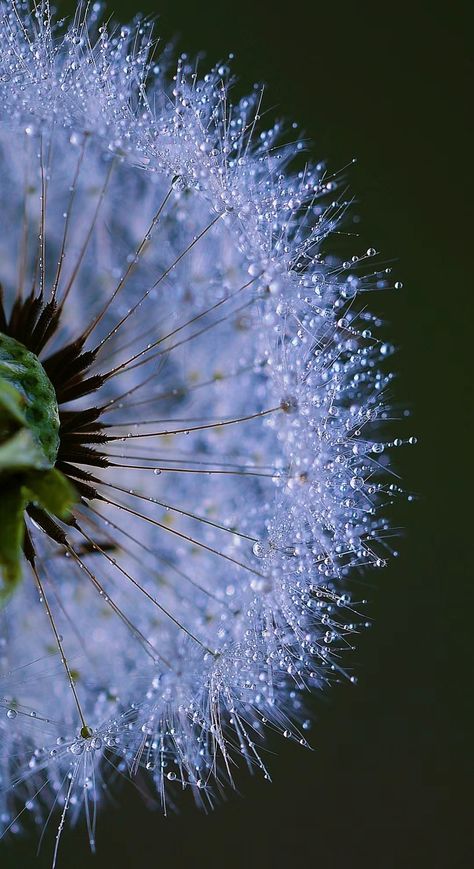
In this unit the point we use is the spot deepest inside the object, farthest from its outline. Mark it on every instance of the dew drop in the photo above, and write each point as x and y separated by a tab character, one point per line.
260	549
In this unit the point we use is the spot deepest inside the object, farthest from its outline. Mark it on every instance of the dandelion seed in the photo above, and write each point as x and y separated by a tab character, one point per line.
191	410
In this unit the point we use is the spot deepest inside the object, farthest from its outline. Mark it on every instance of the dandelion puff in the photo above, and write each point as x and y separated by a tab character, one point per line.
192	464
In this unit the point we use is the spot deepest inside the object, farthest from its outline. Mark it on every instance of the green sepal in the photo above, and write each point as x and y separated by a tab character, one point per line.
29	439
21	453
29	397
20	448
11	404
50	490
12	530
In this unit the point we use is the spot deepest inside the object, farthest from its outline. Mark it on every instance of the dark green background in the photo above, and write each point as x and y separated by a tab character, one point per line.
388	784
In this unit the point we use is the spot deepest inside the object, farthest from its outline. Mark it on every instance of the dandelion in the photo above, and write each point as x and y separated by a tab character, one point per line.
191	399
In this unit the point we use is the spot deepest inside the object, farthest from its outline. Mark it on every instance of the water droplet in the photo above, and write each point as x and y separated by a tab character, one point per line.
377	448
260	549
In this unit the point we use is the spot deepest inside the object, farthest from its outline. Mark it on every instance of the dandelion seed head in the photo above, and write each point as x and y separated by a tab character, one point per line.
222	401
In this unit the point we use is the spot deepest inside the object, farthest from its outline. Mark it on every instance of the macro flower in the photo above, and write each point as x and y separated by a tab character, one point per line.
192	405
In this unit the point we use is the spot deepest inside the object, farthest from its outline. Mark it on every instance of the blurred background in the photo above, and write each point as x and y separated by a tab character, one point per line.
388	782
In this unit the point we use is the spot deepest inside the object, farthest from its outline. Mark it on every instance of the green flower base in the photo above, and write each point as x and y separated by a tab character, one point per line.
29	443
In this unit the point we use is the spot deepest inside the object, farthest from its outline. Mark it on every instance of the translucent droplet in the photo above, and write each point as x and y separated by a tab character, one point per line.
260	549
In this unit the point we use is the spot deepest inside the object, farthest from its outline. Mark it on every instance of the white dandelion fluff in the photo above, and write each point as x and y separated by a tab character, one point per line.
191	398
